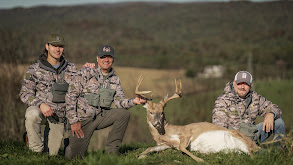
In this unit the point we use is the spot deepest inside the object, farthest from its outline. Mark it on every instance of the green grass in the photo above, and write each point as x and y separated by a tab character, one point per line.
17	153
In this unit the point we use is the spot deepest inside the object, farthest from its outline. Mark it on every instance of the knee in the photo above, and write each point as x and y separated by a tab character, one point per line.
279	123
126	113
32	113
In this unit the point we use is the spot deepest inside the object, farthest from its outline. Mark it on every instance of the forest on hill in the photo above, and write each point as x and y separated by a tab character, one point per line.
160	35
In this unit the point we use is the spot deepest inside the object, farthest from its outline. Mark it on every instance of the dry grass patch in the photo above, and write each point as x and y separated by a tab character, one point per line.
160	81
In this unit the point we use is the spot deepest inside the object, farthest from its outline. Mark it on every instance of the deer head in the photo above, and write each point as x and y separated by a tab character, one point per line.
155	111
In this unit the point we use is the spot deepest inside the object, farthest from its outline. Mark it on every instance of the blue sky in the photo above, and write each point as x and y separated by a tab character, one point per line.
6	4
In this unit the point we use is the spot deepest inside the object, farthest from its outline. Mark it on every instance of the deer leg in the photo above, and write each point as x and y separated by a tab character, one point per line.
184	142
153	149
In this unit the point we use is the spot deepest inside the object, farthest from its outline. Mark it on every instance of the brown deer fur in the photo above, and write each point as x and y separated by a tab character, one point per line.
180	137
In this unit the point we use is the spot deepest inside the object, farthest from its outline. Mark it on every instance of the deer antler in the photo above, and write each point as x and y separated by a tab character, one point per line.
140	93
177	94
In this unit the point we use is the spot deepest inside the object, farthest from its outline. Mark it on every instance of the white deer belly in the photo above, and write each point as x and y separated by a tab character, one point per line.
215	141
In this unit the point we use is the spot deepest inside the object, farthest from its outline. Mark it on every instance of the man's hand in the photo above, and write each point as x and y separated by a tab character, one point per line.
46	110
76	129
90	65
139	100
268	123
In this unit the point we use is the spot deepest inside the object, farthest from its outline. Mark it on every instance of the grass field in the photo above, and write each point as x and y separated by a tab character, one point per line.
16	153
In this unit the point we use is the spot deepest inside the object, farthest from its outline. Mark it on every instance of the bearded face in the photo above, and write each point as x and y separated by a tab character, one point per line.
241	88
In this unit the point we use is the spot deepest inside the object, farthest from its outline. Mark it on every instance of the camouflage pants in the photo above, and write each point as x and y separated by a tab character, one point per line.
119	118
33	121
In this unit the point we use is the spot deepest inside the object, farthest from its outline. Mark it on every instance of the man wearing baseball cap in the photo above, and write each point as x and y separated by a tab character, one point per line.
89	106
238	107
43	90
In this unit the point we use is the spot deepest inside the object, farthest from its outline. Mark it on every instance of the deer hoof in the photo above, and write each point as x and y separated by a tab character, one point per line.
141	156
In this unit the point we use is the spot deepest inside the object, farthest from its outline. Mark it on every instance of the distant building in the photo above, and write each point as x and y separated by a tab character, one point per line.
213	71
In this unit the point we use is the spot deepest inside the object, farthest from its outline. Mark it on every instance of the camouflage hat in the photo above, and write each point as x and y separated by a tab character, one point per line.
106	50
56	39
243	76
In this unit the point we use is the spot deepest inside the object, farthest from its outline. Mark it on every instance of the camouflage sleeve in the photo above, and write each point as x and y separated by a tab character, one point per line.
268	107
119	99
71	101
220	116
74	90
73	70
28	90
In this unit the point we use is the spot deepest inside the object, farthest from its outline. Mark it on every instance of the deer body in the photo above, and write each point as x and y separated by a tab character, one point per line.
203	137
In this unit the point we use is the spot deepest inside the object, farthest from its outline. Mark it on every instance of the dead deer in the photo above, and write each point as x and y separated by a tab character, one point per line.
203	137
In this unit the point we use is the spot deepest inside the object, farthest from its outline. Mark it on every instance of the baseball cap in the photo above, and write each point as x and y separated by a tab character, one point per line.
106	50
56	39
243	76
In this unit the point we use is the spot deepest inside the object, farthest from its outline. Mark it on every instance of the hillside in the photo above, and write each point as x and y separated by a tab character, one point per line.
185	36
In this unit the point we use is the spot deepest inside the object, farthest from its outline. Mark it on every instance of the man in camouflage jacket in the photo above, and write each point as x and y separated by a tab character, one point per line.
84	118
36	92
239	104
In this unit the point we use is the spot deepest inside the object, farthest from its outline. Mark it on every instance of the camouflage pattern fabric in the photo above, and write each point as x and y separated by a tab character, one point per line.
87	81
225	111
37	85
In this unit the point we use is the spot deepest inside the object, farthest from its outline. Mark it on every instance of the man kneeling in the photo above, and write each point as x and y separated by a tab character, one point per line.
88	106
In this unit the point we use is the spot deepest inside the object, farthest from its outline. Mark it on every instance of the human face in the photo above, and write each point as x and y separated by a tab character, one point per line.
54	51
105	63
241	88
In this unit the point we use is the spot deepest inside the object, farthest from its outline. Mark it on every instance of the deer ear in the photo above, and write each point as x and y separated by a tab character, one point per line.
145	105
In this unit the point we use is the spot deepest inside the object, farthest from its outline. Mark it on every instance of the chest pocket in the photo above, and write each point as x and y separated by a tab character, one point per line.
104	98
93	99
59	89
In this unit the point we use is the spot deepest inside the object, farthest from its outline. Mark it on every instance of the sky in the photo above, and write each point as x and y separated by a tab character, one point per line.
8	4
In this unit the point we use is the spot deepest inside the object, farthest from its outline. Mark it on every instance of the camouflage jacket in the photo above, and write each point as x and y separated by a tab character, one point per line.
90	80
229	105
38	80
